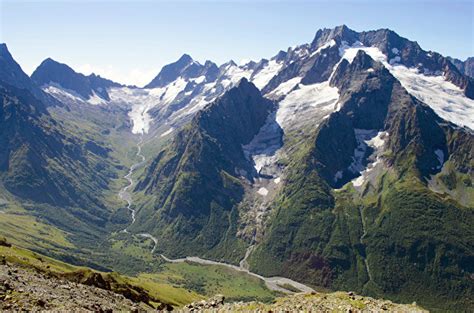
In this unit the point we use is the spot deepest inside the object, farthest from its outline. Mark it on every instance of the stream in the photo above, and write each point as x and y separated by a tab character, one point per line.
272	283
361	240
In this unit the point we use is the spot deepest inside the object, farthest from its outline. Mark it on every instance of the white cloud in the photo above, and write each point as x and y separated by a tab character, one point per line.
138	77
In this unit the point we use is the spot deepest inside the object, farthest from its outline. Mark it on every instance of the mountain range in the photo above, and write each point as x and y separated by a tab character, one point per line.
344	164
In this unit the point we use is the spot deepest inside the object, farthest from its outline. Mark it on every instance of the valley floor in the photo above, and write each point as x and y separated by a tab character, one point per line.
30	282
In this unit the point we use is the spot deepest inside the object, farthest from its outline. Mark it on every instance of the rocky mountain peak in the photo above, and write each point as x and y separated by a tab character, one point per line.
185	59
280	56
4	49
12	75
339	33
363	61
51	71
11	72
244	97
244	83
184	67
210	70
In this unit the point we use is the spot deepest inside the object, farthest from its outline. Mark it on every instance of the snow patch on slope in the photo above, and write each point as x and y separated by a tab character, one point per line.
307	104
362	165
140	101
141	120
445	98
328	44
363	137
61	94
173	89
262	78
95	99
264	147
199	80
367	138
166	133
233	74
286	87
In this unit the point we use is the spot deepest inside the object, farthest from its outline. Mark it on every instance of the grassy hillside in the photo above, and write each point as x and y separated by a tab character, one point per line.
174	284
394	236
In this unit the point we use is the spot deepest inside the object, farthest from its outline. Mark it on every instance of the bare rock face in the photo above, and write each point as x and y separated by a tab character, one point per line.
28	290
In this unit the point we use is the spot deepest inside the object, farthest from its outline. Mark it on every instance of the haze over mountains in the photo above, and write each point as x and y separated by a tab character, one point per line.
345	163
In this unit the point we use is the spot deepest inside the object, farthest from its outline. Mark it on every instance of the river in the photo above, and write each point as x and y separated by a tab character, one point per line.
273	283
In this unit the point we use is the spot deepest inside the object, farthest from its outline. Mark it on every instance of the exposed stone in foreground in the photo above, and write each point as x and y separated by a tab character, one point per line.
213	303
307	302
28	290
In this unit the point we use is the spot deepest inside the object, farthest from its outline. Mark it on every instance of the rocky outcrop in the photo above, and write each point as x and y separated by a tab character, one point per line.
307	302
213	304
466	67
28	290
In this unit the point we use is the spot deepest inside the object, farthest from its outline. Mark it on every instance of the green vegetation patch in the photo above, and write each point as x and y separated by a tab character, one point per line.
209	280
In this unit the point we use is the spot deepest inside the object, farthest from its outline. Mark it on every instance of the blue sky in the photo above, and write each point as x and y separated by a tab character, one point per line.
129	41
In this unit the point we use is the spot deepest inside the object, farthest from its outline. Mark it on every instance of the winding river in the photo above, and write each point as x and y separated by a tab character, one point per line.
273	283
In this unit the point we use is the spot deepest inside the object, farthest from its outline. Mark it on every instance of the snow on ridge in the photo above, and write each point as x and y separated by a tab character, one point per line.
328	44
445	98
300	50
349	52
234	74
301	102
142	100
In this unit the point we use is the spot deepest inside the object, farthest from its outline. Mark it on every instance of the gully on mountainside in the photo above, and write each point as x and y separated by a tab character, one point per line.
273	283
